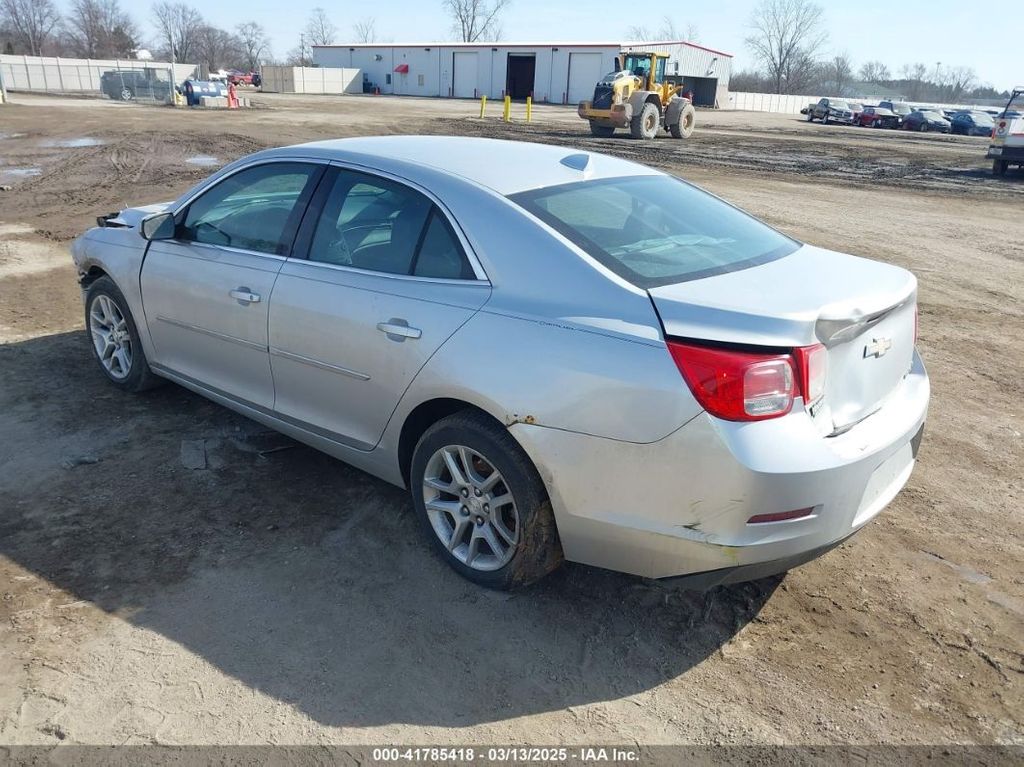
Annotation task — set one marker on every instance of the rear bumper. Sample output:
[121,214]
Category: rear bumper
[681,506]
[1008,153]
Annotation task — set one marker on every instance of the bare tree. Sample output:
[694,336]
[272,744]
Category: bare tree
[839,73]
[31,23]
[874,72]
[787,36]
[476,20]
[216,49]
[956,81]
[914,76]
[179,25]
[254,42]
[100,29]
[667,31]
[319,29]
[365,31]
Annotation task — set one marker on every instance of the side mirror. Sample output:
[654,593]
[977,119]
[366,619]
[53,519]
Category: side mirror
[158,227]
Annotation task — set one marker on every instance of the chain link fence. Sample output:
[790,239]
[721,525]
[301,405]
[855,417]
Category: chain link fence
[142,81]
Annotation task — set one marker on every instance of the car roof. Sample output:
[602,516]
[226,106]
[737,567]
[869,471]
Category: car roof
[507,167]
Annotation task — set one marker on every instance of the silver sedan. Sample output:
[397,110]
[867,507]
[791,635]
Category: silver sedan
[562,355]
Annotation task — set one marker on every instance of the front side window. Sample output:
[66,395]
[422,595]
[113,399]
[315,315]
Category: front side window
[380,225]
[255,209]
[656,230]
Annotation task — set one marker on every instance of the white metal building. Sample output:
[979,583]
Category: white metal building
[561,73]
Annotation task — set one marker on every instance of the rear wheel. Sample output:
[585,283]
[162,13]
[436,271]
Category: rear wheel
[601,131]
[683,127]
[999,167]
[127,94]
[482,503]
[645,124]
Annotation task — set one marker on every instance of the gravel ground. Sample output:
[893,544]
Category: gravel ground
[278,596]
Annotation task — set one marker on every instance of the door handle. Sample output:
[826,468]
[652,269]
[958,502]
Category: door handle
[245,296]
[398,329]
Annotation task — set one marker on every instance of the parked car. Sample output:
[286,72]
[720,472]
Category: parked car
[972,123]
[830,110]
[128,84]
[559,353]
[244,78]
[878,117]
[926,121]
[900,108]
[856,109]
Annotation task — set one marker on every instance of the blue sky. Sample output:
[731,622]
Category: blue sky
[984,36]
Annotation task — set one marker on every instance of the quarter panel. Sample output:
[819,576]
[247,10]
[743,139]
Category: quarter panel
[557,375]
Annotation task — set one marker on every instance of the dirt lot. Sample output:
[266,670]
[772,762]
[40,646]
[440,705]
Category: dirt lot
[278,596]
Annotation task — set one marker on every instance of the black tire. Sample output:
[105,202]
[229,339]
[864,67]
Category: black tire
[825,119]
[601,131]
[810,117]
[645,124]
[999,167]
[683,127]
[139,377]
[127,94]
[538,550]
[923,128]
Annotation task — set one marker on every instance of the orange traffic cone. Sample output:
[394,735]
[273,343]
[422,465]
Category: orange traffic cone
[232,97]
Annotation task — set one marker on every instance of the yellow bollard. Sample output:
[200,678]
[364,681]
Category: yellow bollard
[529,108]
[507,115]
[483,106]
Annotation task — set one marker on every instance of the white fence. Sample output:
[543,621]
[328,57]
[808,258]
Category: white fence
[311,80]
[60,75]
[769,102]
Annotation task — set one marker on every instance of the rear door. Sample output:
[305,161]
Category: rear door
[386,279]
[206,292]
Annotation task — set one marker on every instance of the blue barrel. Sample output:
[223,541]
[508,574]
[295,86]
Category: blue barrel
[194,90]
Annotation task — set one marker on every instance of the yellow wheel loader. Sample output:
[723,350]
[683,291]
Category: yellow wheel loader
[637,97]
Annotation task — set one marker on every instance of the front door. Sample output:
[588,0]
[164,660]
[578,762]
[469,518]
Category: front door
[206,292]
[385,283]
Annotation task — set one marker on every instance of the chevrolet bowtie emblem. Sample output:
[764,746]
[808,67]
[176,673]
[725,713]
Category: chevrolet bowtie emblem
[878,347]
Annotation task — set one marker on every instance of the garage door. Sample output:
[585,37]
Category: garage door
[585,69]
[464,74]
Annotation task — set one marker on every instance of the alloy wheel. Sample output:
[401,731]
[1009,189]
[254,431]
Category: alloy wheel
[111,337]
[471,508]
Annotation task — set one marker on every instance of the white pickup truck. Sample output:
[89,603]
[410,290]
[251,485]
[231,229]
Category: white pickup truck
[1007,147]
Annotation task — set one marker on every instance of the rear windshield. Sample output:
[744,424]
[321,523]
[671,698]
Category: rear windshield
[656,230]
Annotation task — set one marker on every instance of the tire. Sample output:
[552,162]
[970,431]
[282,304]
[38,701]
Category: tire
[645,124]
[810,117]
[534,550]
[601,131]
[825,119]
[683,127]
[127,94]
[923,128]
[136,376]
[999,167]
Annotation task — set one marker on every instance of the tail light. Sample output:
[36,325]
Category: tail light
[750,386]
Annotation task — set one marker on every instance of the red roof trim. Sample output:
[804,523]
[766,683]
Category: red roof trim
[402,69]
[536,46]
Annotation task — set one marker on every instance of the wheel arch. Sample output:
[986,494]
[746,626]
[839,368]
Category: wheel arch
[425,415]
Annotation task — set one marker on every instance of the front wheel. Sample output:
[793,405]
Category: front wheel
[810,117]
[115,338]
[482,503]
[645,124]
[601,131]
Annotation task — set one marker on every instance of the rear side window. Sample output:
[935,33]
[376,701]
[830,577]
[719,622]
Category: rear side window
[254,209]
[656,230]
[382,226]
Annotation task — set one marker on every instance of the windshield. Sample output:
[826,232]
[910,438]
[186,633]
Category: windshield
[839,105]
[656,230]
[901,109]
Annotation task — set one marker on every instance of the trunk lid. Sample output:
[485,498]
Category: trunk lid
[862,311]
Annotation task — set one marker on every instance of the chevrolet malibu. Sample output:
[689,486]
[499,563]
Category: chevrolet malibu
[560,354]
